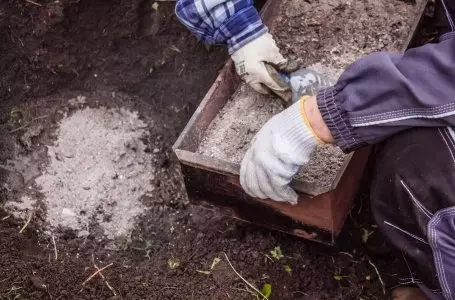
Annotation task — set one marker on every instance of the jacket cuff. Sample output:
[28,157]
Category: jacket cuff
[336,119]
[243,28]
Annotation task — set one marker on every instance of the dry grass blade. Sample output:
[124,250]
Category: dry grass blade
[243,279]
[27,124]
[55,247]
[26,223]
[105,281]
[96,273]
[379,275]
[33,2]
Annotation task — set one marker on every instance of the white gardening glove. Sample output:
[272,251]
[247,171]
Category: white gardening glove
[282,146]
[250,62]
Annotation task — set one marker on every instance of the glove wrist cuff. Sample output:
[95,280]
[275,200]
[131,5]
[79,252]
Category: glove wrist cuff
[305,118]
[297,130]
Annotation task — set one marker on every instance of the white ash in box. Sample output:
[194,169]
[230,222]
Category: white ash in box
[230,133]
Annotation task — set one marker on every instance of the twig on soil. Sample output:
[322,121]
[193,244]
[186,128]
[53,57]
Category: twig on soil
[348,254]
[55,247]
[243,279]
[6,218]
[33,2]
[300,292]
[96,273]
[26,223]
[379,275]
[245,290]
[105,281]
[28,123]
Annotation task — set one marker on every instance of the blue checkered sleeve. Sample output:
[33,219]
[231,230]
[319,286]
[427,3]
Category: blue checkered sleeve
[231,22]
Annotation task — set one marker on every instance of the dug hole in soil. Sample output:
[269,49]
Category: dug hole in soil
[93,94]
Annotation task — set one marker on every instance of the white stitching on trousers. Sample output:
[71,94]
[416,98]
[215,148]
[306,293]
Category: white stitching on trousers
[448,15]
[447,144]
[449,137]
[409,268]
[416,202]
[438,116]
[406,111]
[432,233]
[406,232]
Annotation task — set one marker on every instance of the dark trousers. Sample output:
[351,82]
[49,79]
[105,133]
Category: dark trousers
[445,16]
[414,178]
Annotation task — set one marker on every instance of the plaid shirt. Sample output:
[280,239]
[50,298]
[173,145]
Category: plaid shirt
[231,22]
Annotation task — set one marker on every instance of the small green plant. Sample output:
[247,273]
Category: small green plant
[266,290]
[366,234]
[215,261]
[288,269]
[337,277]
[276,253]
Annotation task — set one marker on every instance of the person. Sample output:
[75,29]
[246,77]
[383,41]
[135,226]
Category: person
[403,102]
[237,23]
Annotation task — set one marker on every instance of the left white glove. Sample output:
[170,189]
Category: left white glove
[250,62]
[282,146]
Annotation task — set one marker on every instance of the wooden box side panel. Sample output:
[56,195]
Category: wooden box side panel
[347,188]
[224,191]
[215,99]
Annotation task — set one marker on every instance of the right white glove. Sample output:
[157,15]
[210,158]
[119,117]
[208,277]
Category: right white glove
[282,146]
[250,62]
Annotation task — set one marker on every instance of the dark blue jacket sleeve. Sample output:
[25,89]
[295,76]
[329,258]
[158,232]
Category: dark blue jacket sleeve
[382,94]
[231,22]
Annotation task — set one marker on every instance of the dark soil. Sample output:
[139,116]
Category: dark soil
[335,33]
[53,51]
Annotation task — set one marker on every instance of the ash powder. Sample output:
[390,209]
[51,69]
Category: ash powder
[98,171]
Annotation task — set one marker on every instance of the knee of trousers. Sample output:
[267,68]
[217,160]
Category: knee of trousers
[414,176]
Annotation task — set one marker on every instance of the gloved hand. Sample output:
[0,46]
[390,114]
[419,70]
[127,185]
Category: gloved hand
[250,64]
[279,149]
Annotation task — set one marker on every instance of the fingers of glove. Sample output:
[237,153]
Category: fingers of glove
[275,189]
[244,171]
[272,82]
[258,87]
[278,178]
[266,185]
[288,67]
[274,57]
[286,193]
[281,189]
[265,182]
[248,177]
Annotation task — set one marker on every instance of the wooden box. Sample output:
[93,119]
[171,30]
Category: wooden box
[317,216]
